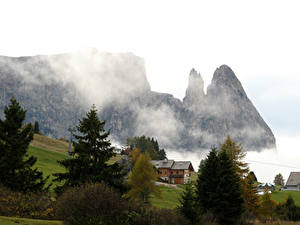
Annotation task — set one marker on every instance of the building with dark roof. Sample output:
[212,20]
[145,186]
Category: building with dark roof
[174,172]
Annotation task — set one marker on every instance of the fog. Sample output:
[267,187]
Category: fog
[265,164]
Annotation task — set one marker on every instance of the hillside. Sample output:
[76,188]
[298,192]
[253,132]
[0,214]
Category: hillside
[52,144]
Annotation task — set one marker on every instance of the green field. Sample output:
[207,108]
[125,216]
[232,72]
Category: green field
[47,161]
[281,196]
[169,198]
[20,221]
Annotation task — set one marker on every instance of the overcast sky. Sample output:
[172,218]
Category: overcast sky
[259,40]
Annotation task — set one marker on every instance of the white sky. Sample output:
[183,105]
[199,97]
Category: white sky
[259,40]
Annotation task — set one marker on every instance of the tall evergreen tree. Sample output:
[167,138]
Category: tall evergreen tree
[16,170]
[236,154]
[36,127]
[229,192]
[218,189]
[207,184]
[88,162]
[187,204]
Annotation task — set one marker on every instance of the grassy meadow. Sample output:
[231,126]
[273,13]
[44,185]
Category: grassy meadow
[22,221]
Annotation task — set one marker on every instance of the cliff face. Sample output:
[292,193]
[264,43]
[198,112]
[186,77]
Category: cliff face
[57,90]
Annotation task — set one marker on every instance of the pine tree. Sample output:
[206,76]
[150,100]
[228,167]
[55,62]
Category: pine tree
[250,195]
[229,192]
[16,170]
[36,127]
[207,184]
[187,204]
[218,189]
[236,154]
[142,180]
[88,162]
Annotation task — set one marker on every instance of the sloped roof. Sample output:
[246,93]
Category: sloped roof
[294,178]
[171,164]
[181,165]
[163,163]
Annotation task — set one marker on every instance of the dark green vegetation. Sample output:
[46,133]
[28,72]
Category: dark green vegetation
[100,204]
[147,145]
[16,172]
[87,163]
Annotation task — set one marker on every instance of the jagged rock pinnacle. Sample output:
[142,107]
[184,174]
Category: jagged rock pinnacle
[194,94]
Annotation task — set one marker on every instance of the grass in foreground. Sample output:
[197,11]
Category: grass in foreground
[169,198]
[20,221]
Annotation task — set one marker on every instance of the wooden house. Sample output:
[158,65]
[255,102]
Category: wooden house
[174,172]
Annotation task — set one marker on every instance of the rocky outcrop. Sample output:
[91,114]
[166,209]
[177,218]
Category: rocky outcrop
[57,90]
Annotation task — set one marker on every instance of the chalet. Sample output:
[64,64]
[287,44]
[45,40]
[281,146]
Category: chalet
[293,182]
[174,172]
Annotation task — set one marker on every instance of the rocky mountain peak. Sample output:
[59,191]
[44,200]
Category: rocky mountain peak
[194,94]
[224,81]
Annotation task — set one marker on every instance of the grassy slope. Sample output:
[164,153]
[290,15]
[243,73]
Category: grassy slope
[20,221]
[281,196]
[168,199]
[47,161]
[50,144]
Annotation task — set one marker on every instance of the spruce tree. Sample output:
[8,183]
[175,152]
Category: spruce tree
[207,184]
[187,204]
[88,162]
[229,192]
[16,170]
[36,127]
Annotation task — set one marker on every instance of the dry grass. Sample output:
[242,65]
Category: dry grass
[50,144]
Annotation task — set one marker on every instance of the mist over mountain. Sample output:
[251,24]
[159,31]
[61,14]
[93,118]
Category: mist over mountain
[57,90]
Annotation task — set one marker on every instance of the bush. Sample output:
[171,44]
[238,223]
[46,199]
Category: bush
[92,204]
[29,205]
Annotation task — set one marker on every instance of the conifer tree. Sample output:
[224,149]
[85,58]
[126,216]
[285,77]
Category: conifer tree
[236,154]
[142,180]
[250,195]
[229,192]
[207,184]
[16,170]
[187,204]
[88,162]
[36,127]
[218,189]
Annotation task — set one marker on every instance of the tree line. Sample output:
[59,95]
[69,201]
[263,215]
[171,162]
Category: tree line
[225,191]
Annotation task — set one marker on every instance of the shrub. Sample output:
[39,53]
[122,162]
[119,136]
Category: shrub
[92,204]
[29,205]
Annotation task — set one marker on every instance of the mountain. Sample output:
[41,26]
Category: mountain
[57,90]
